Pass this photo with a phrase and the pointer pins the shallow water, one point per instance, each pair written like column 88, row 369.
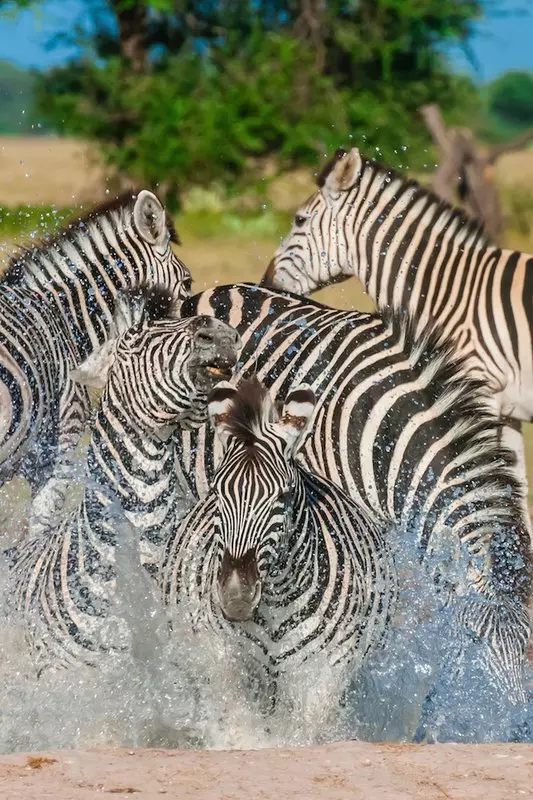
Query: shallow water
column 179, row 689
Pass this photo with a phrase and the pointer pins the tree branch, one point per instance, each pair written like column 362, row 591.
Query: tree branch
column 518, row 143
column 432, row 116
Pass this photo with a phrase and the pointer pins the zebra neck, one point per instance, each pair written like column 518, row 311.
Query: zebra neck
column 135, row 467
column 80, row 274
column 404, row 244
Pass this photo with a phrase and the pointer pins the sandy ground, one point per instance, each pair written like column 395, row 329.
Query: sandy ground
column 344, row 771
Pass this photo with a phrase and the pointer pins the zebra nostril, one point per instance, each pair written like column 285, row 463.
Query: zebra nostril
column 204, row 337
column 257, row 595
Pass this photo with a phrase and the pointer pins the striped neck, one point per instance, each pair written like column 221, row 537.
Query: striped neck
column 135, row 467
column 400, row 238
column 80, row 272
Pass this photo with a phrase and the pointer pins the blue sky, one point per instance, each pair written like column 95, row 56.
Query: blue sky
column 503, row 41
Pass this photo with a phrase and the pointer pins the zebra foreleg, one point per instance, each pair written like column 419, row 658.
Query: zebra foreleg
column 511, row 438
column 479, row 693
column 48, row 502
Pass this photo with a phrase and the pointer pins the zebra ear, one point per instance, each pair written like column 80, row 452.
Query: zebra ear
column 94, row 370
column 150, row 218
column 219, row 404
column 344, row 171
column 130, row 310
column 296, row 415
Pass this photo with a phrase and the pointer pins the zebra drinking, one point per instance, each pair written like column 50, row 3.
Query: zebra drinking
column 402, row 428
column 279, row 564
column 56, row 308
column 415, row 252
column 65, row 578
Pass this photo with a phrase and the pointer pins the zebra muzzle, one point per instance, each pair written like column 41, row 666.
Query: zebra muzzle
column 239, row 586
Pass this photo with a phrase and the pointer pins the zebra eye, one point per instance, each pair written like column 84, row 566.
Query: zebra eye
column 285, row 496
column 299, row 220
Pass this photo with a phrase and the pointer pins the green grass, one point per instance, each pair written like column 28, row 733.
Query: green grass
column 24, row 220
column 196, row 224
column 207, row 224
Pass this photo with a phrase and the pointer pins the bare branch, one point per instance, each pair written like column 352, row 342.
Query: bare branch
column 431, row 114
column 518, row 143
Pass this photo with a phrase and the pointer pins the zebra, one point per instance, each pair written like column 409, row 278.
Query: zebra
column 65, row 578
column 57, row 300
column 415, row 252
column 405, row 431
column 278, row 563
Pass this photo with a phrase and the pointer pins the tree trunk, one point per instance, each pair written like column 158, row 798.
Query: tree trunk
column 132, row 18
column 466, row 171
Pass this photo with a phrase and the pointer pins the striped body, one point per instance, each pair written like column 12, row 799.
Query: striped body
column 66, row 578
column 34, row 383
column 400, row 428
column 57, row 304
column 325, row 575
column 413, row 252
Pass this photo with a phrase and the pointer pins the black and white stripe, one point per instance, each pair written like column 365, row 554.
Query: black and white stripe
column 406, row 434
column 65, row 578
column 57, row 304
column 277, row 561
column 414, row 252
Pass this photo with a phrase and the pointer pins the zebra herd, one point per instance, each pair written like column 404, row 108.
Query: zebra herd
column 351, row 515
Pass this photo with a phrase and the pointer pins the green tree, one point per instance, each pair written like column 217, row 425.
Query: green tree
column 17, row 100
column 196, row 90
column 511, row 98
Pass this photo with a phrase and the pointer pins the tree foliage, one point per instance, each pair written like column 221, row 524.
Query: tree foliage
column 17, row 100
column 196, row 90
column 511, row 98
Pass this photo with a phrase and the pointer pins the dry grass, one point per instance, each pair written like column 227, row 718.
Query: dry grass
column 516, row 169
column 48, row 170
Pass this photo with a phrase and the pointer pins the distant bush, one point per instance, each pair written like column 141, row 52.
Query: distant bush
column 510, row 98
column 35, row 221
column 17, row 101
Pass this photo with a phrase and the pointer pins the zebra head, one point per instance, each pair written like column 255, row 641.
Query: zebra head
column 160, row 264
column 256, row 487
column 317, row 250
column 159, row 372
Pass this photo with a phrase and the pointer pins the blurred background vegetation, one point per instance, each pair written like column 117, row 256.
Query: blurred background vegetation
column 229, row 92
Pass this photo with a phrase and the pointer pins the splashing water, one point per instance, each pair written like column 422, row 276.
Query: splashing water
column 179, row 688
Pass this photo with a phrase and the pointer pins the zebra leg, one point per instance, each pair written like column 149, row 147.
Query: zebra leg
column 511, row 437
column 74, row 412
column 478, row 694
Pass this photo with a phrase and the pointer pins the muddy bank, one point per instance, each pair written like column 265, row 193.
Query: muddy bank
column 343, row 771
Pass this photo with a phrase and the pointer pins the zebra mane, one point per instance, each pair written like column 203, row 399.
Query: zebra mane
column 429, row 349
column 472, row 227
column 158, row 303
column 248, row 410
column 124, row 202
